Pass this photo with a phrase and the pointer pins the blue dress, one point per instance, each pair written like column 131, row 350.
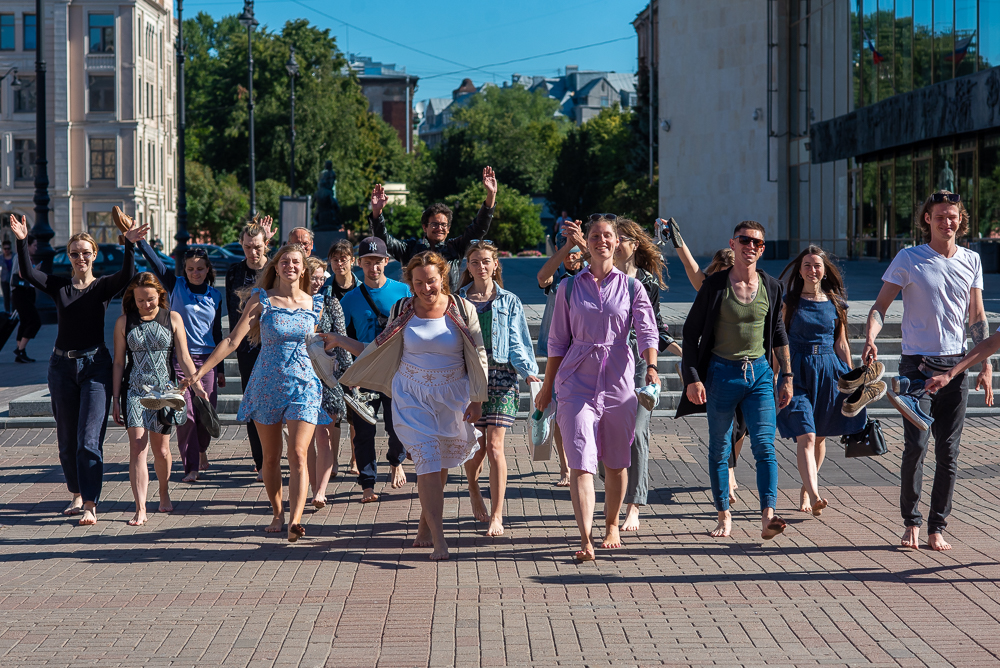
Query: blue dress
column 816, row 404
column 283, row 385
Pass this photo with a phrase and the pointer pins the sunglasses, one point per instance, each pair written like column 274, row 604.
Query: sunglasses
column 747, row 241
column 195, row 252
column 594, row 217
column 481, row 241
column 85, row 255
column 951, row 198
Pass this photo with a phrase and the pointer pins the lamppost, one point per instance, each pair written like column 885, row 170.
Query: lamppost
column 41, row 229
column 249, row 22
column 293, row 71
column 182, row 237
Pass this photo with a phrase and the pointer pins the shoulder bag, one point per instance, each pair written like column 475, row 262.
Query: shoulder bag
column 869, row 442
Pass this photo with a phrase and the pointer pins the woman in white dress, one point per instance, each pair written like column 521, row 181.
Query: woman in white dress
column 430, row 359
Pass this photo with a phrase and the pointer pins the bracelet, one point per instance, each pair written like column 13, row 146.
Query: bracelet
column 786, row 374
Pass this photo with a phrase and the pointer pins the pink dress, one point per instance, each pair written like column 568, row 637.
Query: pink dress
column 595, row 384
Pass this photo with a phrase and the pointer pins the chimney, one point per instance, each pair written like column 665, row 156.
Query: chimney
column 572, row 69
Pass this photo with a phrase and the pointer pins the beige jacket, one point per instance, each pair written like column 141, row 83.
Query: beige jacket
column 376, row 366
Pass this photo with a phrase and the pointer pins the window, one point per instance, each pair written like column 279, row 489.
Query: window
column 102, row 93
column 102, row 228
column 102, row 33
column 152, row 163
column 24, row 99
column 149, row 100
column 141, row 165
column 24, row 159
column 29, row 32
column 140, row 95
column 6, row 32
column 102, row 159
column 604, row 100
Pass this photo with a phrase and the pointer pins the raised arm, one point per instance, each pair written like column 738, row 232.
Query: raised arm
column 876, row 319
column 376, row 224
column 167, row 278
column 479, row 227
column 575, row 238
column 37, row 278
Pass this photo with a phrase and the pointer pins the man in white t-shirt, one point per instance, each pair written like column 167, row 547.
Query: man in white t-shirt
column 941, row 282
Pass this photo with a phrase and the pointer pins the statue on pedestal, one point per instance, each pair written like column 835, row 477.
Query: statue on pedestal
column 327, row 215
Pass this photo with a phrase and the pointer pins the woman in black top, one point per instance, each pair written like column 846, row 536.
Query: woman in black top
column 80, row 366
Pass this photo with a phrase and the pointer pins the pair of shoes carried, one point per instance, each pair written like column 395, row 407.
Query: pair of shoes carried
column 165, row 397
column 864, row 385
column 905, row 398
column 323, row 362
column 358, row 402
column 21, row 356
column 122, row 221
column 649, row 396
column 668, row 230
column 206, row 415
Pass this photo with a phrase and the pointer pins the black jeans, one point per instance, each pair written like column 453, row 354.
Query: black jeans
column 5, row 287
column 23, row 300
column 246, row 359
column 81, row 399
column 364, row 442
column 947, row 407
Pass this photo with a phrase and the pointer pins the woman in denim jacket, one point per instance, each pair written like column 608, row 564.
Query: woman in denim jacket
column 510, row 354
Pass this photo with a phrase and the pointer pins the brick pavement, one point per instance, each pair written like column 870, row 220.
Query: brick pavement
column 205, row 586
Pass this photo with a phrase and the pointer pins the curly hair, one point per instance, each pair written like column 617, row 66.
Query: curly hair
column 925, row 227
column 482, row 245
column 647, row 256
column 433, row 210
column 144, row 280
column 428, row 259
column 314, row 265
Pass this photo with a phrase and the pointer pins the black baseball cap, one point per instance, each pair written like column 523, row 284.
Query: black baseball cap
column 372, row 247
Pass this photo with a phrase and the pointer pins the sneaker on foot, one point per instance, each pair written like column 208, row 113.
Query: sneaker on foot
column 862, row 397
column 909, row 407
column 860, row 377
column 358, row 403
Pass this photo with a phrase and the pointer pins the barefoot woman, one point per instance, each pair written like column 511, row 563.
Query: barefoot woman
column 145, row 338
column 591, row 367
column 80, row 366
column 430, row 359
column 279, row 314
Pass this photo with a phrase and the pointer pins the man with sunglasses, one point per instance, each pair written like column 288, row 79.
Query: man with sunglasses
column 731, row 333
column 941, row 283
column 436, row 223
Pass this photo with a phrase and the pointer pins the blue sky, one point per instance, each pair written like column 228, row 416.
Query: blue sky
column 471, row 35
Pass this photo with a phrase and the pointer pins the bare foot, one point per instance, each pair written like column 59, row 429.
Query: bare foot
column 319, row 502
column 75, row 507
column 936, row 541
column 368, row 495
column 631, row 518
column 911, row 538
column 804, row 505
column 724, row 527
column 440, row 555
column 775, row 526
column 295, row 531
column 563, row 479
column 352, row 468
column 276, row 525
column 89, row 517
column 423, row 538
column 817, row 508
column 586, row 553
column 138, row 519
column 398, row 477
column 260, row 477
column 478, row 505
column 166, row 505
column 190, row 477
column 496, row 527
column 204, row 463
column 612, row 538
column 334, row 471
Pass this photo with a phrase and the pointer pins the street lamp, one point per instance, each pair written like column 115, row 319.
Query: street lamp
column 15, row 83
column 293, row 71
column 41, row 229
column 181, row 236
column 249, row 22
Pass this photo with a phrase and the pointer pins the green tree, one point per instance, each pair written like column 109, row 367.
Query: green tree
column 509, row 129
column 269, row 194
column 216, row 203
column 517, row 222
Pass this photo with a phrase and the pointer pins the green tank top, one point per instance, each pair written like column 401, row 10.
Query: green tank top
column 739, row 330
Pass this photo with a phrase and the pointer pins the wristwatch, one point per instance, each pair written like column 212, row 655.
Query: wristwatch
column 788, row 374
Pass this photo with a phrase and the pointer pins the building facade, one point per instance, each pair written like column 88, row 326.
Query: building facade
column 110, row 98
column 815, row 118
column 390, row 94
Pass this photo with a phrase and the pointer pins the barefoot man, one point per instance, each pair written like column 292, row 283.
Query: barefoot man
column 941, row 282
column 730, row 333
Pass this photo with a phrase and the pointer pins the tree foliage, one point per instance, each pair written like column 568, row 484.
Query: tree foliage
column 516, row 220
column 215, row 203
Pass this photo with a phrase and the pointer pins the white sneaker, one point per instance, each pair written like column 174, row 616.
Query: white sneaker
column 167, row 397
column 323, row 363
column 649, row 396
column 173, row 397
column 358, row 402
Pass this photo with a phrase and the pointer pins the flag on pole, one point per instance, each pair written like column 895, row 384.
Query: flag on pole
column 961, row 48
column 876, row 56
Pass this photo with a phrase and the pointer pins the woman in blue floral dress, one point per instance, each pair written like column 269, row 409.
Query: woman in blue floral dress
column 283, row 387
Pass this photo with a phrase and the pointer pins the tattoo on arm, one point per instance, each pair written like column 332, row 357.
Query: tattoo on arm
column 784, row 361
column 979, row 331
column 876, row 316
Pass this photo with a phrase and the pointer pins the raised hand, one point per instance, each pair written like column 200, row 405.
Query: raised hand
column 490, row 183
column 572, row 231
column 136, row 233
column 19, row 227
column 267, row 222
column 379, row 199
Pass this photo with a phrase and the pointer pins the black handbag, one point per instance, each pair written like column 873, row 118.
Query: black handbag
column 869, row 442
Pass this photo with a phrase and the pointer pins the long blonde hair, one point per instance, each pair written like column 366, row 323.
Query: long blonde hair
column 268, row 278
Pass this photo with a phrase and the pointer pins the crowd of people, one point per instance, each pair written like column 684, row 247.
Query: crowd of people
column 443, row 353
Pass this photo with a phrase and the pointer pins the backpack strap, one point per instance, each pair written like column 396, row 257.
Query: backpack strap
column 569, row 288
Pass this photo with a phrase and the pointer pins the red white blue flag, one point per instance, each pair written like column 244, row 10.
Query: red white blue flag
column 961, row 48
column 876, row 56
